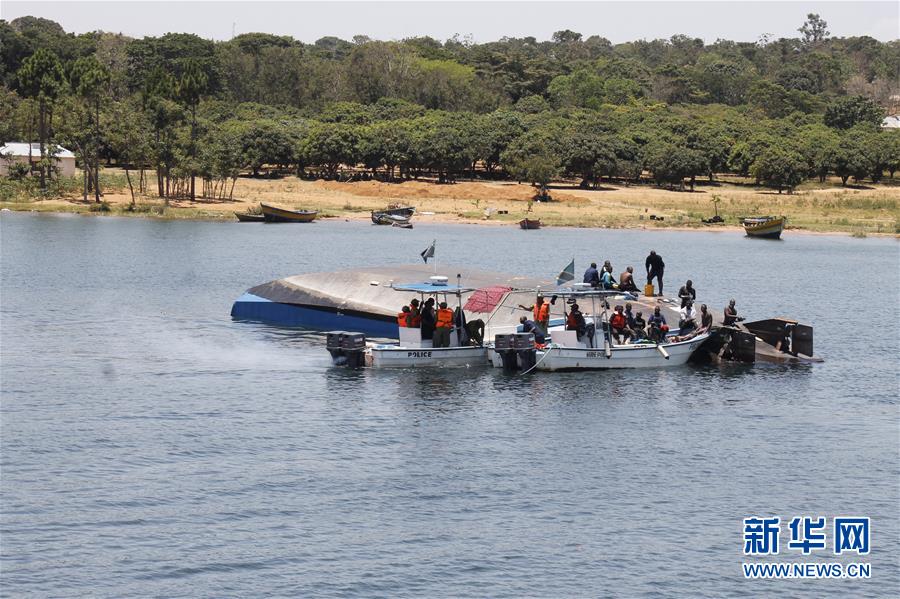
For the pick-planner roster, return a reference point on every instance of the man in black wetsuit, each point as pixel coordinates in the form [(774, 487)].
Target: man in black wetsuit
[(655, 267)]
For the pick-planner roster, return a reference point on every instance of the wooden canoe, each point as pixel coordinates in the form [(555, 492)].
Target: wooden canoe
[(767, 227), (273, 214), (246, 217), (384, 218), (527, 223)]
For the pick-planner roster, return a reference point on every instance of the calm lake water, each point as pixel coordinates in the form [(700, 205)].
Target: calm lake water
[(151, 446)]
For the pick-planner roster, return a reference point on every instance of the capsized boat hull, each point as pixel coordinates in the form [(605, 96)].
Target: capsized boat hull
[(393, 356)]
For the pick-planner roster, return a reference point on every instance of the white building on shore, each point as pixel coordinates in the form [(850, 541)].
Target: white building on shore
[(13, 152)]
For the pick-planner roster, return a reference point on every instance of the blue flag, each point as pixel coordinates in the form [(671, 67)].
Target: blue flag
[(567, 274)]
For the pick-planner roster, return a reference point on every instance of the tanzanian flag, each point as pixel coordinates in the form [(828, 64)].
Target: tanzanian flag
[(567, 274)]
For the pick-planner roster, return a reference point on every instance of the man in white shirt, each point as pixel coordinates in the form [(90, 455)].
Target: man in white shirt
[(688, 318)]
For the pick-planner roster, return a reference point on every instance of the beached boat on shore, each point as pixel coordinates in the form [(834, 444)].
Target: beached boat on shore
[(767, 227), (274, 214), (247, 217), (527, 223)]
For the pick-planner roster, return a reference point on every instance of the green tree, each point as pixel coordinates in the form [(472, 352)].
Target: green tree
[(814, 30), (849, 112), (330, 145), (190, 87), (853, 157), (781, 168), (673, 163), (90, 82), (534, 157), (41, 77)]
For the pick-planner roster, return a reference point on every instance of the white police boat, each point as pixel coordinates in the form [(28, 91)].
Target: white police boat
[(597, 349), (413, 351)]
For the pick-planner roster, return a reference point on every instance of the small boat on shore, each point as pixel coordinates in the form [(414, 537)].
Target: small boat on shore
[(399, 225), (766, 227), (274, 214), (247, 217), (383, 218), (527, 223)]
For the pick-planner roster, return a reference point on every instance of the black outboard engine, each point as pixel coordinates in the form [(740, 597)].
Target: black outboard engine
[(525, 351), (504, 346), (346, 349)]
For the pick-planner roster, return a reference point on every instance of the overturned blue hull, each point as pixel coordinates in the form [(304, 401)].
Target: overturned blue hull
[(259, 309)]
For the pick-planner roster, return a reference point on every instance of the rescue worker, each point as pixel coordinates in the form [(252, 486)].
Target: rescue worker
[(428, 318), (687, 292), (528, 326), (541, 312), (443, 326), (655, 268), (658, 326), (403, 317), (415, 315), (731, 316), (592, 276), (575, 321), (619, 325), (626, 280)]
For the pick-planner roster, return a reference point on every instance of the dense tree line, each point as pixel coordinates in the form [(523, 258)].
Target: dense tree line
[(176, 108)]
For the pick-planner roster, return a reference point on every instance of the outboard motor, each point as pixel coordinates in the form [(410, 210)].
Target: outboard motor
[(505, 348), (333, 345), (346, 349), (525, 351), (354, 347)]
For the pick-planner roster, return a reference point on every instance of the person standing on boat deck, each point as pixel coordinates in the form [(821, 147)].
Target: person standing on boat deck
[(415, 316), (687, 292), (706, 319), (626, 280), (528, 326), (592, 276), (541, 311), (731, 316), (655, 268), (658, 326), (429, 318), (688, 318), (403, 317), (443, 326)]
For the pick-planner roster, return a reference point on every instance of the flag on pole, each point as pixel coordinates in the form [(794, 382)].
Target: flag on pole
[(429, 252), (567, 274)]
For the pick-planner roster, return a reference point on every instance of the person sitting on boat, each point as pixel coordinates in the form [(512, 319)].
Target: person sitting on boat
[(475, 332), (655, 269), (592, 276), (687, 318), (528, 326), (443, 326), (687, 292), (731, 315), (575, 321), (403, 317), (629, 315), (619, 325), (415, 315), (658, 326), (640, 326), (429, 318), (706, 320), (626, 280), (607, 281), (541, 311)]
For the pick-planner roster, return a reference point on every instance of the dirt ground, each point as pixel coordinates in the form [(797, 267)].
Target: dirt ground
[(828, 207)]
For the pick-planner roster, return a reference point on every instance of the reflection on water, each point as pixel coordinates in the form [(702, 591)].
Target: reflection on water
[(151, 444)]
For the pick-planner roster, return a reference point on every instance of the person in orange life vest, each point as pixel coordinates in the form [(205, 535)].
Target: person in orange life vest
[(403, 317), (619, 325), (443, 326), (541, 312), (415, 315)]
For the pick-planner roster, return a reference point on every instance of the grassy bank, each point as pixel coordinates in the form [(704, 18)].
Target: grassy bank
[(815, 207)]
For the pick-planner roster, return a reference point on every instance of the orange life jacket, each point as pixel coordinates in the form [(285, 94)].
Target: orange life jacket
[(415, 320), (402, 319), (542, 312), (571, 322), (617, 321), (444, 318)]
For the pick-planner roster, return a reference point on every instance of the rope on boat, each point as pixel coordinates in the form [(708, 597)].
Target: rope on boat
[(546, 353)]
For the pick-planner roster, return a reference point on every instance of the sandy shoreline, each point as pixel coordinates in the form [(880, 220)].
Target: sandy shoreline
[(826, 209)]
